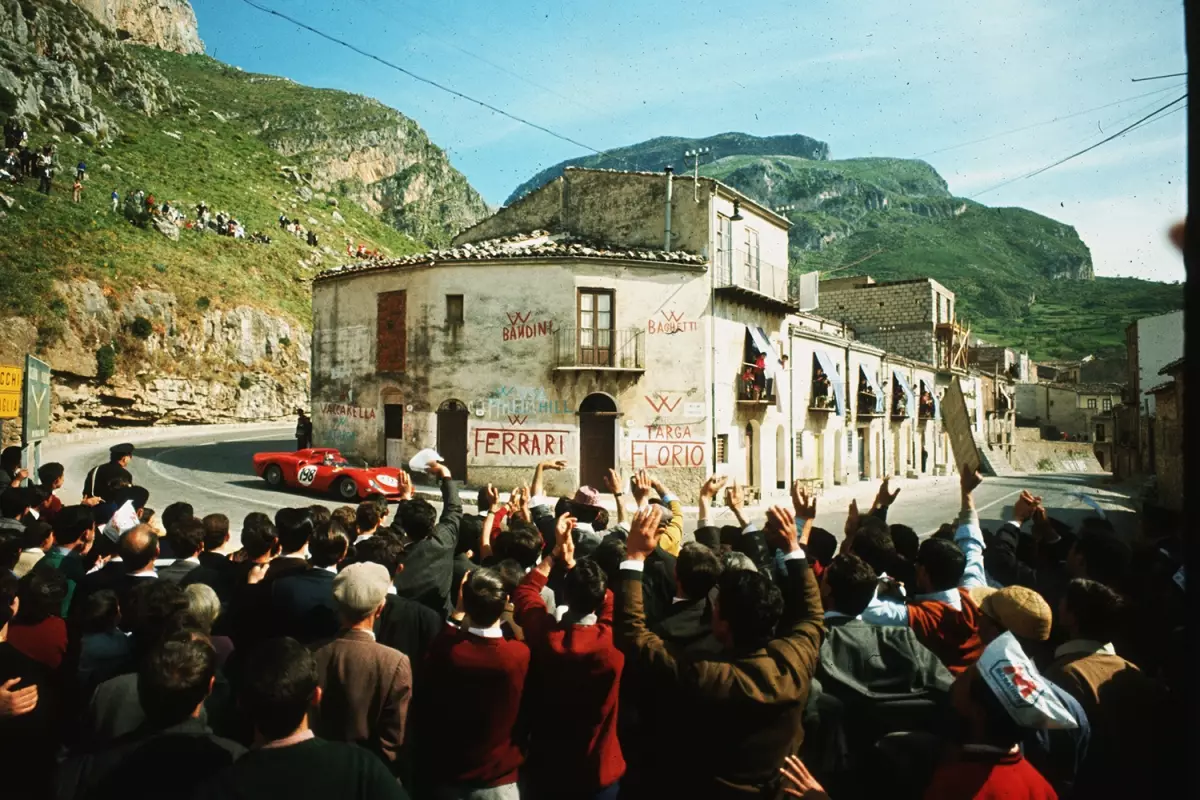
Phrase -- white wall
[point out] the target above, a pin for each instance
(1160, 341)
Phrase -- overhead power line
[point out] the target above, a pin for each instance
(420, 78)
(1144, 120)
(1159, 77)
(1048, 121)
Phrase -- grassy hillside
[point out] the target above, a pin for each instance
(182, 157)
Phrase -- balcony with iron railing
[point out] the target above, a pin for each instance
(747, 278)
(622, 350)
(755, 389)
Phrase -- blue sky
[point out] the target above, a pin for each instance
(871, 78)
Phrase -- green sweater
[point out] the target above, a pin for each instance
(316, 769)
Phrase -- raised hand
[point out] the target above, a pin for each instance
(438, 470)
(405, 485)
(884, 498)
(643, 533)
(563, 527)
(492, 497)
(257, 573)
(804, 503)
(555, 466)
(782, 523)
(15, 702)
(640, 486)
(612, 482)
(734, 496)
(713, 486)
(969, 479)
(852, 520)
(1024, 507)
(800, 782)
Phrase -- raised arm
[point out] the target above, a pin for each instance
(446, 531)
(535, 488)
(733, 499)
(612, 482)
(672, 534)
(489, 522)
(969, 536)
(635, 637)
(708, 492)
(883, 501)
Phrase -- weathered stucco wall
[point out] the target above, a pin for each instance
(540, 210)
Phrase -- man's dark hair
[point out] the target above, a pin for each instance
(186, 538)
(255, 519)
(175, 678)
(1000, 728)
(1097, 609)
(380, 502)
(874, 546)
(522, 542)
(259, 540)
(294, 527)
(328, 545)
(343, 517)
(417, 518)
(851, 583)
(1106, 555)
(216, 530)
(137, 547)
(482, 505)
(320, 514)
(384, 548)
(752, 605)
(510, 573)
(600, 522)
(821, 547)
(945, 531)
(9, 588)
(176, 513)
(697, 570)
(10, 458)
(10, 548)
(151, 607)
(42, 593)
(279, 682)
(905, 539)
(470, 533)
(49, 473)
(484, 597)
(15, 501)
(35, 534)
(100, 613)
(609, 555)
(584, 587)
(943, 562)
(366, 517)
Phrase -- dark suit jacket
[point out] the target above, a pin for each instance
(365, 691)
(687, 627)
(302, 605)
(177, 570)
(285, 565)
(107, 577)
(408, 626)
(429, 563)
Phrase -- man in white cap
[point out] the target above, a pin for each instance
(998, 698)
(365, 686)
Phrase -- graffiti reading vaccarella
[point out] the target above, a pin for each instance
(522, 326)
(672, 322)
(339, 431)
(667, 446)
(508, 402)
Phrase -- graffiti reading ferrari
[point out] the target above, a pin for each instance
(323, 469)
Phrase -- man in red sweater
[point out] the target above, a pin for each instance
(573, 749)
(468, 698)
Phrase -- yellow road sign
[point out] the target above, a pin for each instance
(11, 379)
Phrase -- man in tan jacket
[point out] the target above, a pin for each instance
(738, 716)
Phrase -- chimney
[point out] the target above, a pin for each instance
(670, 183)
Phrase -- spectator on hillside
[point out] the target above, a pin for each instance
(759, 670)
(281, 688)
(116, 200)
(365, 686)
(76, 191)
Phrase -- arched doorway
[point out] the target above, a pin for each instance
(597, 439)
(452, 437)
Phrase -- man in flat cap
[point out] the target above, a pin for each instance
(104, 481)
(365, 686)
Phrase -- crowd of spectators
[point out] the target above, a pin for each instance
(546, 647)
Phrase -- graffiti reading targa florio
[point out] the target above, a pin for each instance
(323, 469)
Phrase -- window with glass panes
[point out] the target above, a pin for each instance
(724, 250)
(595, 327)
(752, 264)
(1106, 404)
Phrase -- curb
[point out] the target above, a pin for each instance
(156, 431)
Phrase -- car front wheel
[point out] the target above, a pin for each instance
(273, 475)
(346, 489)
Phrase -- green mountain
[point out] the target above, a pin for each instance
(119, 299)
(1021, 279)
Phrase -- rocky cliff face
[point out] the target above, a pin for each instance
(165, 24)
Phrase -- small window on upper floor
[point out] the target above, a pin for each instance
(1106, 404)
(454, 309)
(1091, 403)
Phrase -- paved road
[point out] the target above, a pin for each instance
(212, 471)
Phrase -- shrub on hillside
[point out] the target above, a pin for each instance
(106, 363)
(141, 327)
(245, 383)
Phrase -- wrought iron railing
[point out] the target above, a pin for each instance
(576, 348)
(734, 268)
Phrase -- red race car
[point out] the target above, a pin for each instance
(323, 469)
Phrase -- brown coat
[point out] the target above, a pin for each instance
(365, 690)
(750, 704)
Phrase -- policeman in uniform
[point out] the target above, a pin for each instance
(304, 430)
(99, 480)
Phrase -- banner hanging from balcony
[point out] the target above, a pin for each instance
(910, 400)
(835, 380)
(761, 343)
(874, 384)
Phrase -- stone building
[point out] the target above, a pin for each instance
(1150, 344)
(1167, 445)
(1066, 408)
(613, 319)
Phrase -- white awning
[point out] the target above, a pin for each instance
(835, 379)
(761, 343)
(874, 384)
(908, 392)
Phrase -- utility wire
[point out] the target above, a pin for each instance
(417, 77)
(1158, 77)
(1048, 121)
(1087, 149)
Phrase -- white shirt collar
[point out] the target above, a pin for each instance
(586, 619)
(34, 550)
(148, 572)
(193, 560)
(362, 537)
(331, 570)
(950, 597)
(392, 589)
(1085, 646)
(487, 633)
(838, 615)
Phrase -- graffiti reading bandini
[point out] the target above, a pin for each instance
(520, 327)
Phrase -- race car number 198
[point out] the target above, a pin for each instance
(306, 475)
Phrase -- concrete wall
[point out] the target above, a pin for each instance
(1159, 342)
(540, 210)
(1168, 446)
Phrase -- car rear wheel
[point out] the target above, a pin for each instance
(273, 475)
(346, 489)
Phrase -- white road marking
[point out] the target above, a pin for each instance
(227, 495)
